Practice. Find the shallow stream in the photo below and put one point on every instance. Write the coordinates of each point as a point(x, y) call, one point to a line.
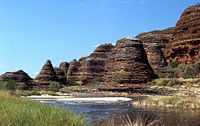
point(119, 113)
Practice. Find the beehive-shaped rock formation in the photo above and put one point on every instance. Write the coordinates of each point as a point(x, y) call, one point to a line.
point(47, 73)
point(64, 67)
point(155, 43)
point(73, 70)
point(19, 76)
point(129, 63)
point(93, 66)
point(185, 47)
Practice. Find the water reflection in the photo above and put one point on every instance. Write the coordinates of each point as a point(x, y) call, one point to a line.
point(118, 114)
point(149, 117)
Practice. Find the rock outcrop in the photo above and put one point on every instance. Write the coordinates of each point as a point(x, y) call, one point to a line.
point(129, 64)
point(47, 73)
point(19, 76)
point(155, 43)
point(185, 47)
point(93, 66)
point(156, 59)
point(64, 67)
point(60, 75)
point(160, 38)
point(73, 70)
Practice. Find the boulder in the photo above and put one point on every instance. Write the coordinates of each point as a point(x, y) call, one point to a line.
point(47, 73)
point(19, 76)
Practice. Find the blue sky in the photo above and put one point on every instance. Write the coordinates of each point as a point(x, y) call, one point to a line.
point(32, 31)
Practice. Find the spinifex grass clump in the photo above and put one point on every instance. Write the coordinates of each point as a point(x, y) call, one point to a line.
point(16, 111)
point(169, 102)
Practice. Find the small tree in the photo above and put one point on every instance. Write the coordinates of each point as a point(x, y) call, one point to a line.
point(10, 85)
point(21, 86)
point(173, 71)
point(54, 86)
point(71, 82)
point(189, 72)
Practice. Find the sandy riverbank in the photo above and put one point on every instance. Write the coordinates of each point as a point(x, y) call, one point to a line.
point(85, 99)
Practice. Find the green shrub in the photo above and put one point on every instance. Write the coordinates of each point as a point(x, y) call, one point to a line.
point(173, 64)
point(188, 71)
point(21, 86)
point(161, 81)
point(54, 86)
point(71, 82)
point(94, 82)
point(34, 93)
point(172, 100)
point(10, 85)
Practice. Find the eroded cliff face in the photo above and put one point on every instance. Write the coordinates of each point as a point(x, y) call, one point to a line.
point(129, 64)
point(155, 44)
point(93, 66)
point(73, 70)
point(185, 47)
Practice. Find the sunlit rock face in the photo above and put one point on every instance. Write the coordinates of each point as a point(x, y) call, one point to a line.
point(129, 64)
point(93, 66)
point(47, 73)
point(73, 70)
point(155, 43)
point(158, 37)
point(185, 47)
point(19, 76)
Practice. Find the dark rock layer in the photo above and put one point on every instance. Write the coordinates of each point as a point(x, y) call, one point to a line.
point(185, 47)
point(93, 66)
point(19, 76)
point(155, 43)
point(72, 73)
point(60, 75)
point(47, 73)
point(64, 67)
point(129, 63)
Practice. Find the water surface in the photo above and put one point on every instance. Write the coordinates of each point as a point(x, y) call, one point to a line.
point(118, 113)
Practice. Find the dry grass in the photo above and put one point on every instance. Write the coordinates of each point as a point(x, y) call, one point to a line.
point(15, 111)
point(169, 102)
